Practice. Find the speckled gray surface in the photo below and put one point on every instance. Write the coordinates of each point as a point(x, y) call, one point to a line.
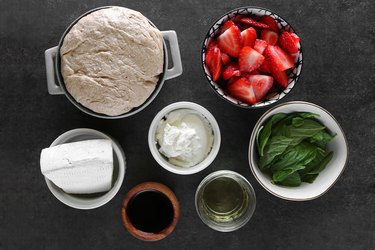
point(339, 44)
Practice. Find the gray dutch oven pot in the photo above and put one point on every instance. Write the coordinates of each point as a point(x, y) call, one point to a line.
point(55, 82)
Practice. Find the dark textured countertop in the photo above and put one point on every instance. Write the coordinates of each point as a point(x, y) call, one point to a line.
point(338, 73)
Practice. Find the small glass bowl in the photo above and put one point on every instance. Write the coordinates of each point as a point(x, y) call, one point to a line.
point(237, 217)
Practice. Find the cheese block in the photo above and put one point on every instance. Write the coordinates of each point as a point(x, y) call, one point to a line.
point(79, 167)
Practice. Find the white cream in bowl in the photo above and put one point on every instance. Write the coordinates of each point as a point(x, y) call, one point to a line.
point(185, 137)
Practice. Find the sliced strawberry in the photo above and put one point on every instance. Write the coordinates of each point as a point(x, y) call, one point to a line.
point(281, 77)
point(277, 58)
point(209, 51)
point(250, 59)
point(268, 20)
point(289, 42)
point(225, 58)
point(295, 37)
point(248, 37)
point(269, 36)
point(215, 64)
point(230, 70)
point(261, 84)
point(260, 45)
point(265, 67)
point(254, 23)
point(212, 44)
point(242, 90)
point(254, 72)
point(230, 41)
point(209, 55)
point(226, 26)
point(232, 80)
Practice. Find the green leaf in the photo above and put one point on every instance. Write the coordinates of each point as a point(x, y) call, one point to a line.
point(257, 139)
point(297, 121)
point(278, 128)
point(292, 180)
point(264, 135)
point(323, 163)
point(310, 178)
point(322, 138)
point(309, 129)
point(320, 154)
point(301, 154)
point(281, 175)
point(275, 146)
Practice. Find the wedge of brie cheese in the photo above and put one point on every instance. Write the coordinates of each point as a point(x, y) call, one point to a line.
point(79, 167)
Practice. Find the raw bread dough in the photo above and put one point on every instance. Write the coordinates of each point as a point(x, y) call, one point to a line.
point(111, 60)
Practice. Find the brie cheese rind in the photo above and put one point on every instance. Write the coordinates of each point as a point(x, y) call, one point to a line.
point(111, 60)
point(79, 167)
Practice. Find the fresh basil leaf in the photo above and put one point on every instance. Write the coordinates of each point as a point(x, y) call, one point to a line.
point(310, 178)
point(266, 132)
point(322, 138)
point(301, 154)
point(281, 175)
point(257, 139)
point(278, 128)
point(309, 129)
point(292, 180)
point(276, 145)
point(322, 165)
point(297, 121)
point(320, 154)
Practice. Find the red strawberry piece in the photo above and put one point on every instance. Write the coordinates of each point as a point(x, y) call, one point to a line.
point(225, 58)
point(278, 58)
point(268, 20)
point(230, 70)
point(265, 67)
point(250, 59)
point(209, 55)
point(232, 80)
point(288, 42)
point(215, 64)
point(255, 72)
point(248, 37)
point(260, 45)
point(242, 90)
point(254, 23)
point(230, 41)
point(281, 77)
point(269, 36)
point(209, 51)
point(295, 37)
point(212, 44)
point(261, 84)
point(226, 26)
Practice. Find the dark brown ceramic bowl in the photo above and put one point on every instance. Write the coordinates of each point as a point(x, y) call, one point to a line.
point(144, 187)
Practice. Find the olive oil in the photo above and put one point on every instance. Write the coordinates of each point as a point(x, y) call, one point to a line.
point(224, 200)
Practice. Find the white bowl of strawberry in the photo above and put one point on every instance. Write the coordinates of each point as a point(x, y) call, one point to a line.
point(252, 57)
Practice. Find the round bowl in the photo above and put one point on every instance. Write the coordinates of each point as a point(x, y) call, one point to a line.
point(90, 201)
point(251, 11)
point(162, 160)
point(234, 223)
point(144, 187)
point(56, 85)
point(327, 178)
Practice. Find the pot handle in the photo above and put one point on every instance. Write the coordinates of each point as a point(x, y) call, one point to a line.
point(176, 70)
point(53, 87)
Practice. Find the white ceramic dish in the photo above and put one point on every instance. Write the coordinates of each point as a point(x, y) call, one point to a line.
point(162, 160)
point(326, 178)
point(90, 201)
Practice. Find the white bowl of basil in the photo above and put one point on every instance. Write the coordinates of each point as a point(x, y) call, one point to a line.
point(297, 151)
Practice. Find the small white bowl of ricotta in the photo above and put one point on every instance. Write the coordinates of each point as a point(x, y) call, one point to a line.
point(184, 138)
